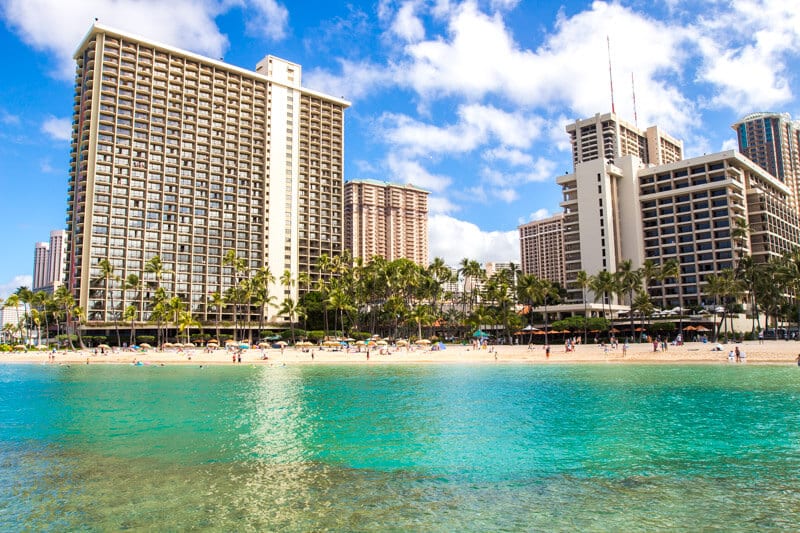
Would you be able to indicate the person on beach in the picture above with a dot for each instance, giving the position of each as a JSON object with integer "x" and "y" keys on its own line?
{"x": 547, "y": 352}
{"x": 737, "y": 354}
{"x": 798, "y": 359}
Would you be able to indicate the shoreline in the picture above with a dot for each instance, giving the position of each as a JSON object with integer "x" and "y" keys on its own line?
{"x": 772, "y": 352}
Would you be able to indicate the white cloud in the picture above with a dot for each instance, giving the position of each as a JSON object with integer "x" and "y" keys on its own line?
{"x": 453, "y": 240}
{"x": 21, "y": 280}
{"x": 729, "y": 144}
{"x": 753, "y": 37}
{"x": 59, "y": 129}
{"x": 412, "y": 173}
{"x": 508, "y": 155}
{"x": 539, "y": 214}
{"x": 57, "y": 27}
{"x": 406, "y": 24}
{"x": 477, "y": 125}
{"x": 9, "y": 119}
{"x": 270, "y": 20}
{"x": 357, "y": 79}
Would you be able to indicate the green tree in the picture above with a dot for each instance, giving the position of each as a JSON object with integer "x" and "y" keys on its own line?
{"x": 107, "y": 276}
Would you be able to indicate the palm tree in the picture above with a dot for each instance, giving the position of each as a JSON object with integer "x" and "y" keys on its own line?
{"x": 185, "y": 322}
{"x": 25, "y": 296}
{"x": 106, "y": 276}
{"x": 13, "y": 301}
{"x": 132, "y": 283}
{"x": 672, "y": 269}
{"x": 262, "y": 280}
{"x": 79, "y": 314}
{"x": 628, "y": 281}
{"x": 603, "y": 285}
{"x": 66, "y": 302}
{"x": 129, "y": 315}
{"x": 289, "y": 308}
{"x": 715, "y": 287}
{"x": 216, "y": 301}
{"x": 238, "y": 266}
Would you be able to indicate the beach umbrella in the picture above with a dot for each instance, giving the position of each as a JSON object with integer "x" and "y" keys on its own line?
{"x": 104, "y": 346}
{"x": 305, "y": 344}
{"x": 401, "y": 342}
{"x": 480, "y": 334}
{"x": 144, "y": 346}
{"x": 361, "y": 343}
{"x": 423, "y": 341}
{"x": 701, "y": 328}
{"x": 382, "y": 343}
{"x": 690, "y": 328}
{"x": 282, "y": 343}
{"x": 263, "y": 344}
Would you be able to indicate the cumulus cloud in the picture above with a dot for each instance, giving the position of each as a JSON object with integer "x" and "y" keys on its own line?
{"x": 752, "y": 36}
{"x": 59, "y": 129}
{"x": 8, "y": 118}
{"x": 478, "y": 124}
{"x": 57, "y": 27}
{"x": 453, "y": 240}
{"x": 406, "y": 24}
{"x": 270, "y": 19}
{"x": 21, "y": 280}
{"x": 539, "y": 214}
{"x": 413, "y": 173}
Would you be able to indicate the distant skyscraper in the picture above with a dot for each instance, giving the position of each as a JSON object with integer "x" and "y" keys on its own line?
{"x": 386, "y": 220}
{"x": 41, "y": 255}
{"x": 542, "y": 251}
{"x": 57, "y": 258}
{"x": 185, "y": 157}
{"x": 772, "y": 141}
{"x": 48, "y": 262}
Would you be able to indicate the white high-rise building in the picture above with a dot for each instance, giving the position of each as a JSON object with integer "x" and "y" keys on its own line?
{"x": 625, "y": 207}
{"x": 186, "y": 158}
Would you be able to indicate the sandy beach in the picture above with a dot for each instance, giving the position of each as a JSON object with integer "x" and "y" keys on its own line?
{"x": 768, "y": 352}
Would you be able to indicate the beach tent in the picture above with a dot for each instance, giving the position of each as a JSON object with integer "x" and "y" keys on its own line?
{"x": 442, "y": 346}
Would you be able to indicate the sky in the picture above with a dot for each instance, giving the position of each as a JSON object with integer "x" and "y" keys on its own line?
{"x": 466, "y": 99}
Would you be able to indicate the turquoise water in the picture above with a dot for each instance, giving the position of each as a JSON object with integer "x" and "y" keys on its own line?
{"x": 391, "y": 448}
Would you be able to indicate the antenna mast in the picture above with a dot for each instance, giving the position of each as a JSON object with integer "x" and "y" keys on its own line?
{"x": 635, "y": 116}
{"x": 610, "y": 76}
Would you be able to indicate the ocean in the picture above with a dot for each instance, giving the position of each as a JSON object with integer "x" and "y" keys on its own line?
{"x": 400, "y": 447}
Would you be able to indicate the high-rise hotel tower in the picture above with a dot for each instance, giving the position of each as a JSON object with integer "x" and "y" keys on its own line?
{"x": 386, "y": 220}
{"x": 184, "y": 157}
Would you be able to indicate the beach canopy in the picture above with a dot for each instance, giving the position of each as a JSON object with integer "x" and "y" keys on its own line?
{"x": 480, "y": 334}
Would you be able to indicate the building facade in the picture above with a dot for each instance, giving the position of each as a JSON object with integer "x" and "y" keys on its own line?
{"x": 49, "y": 262}
{"x": 772, "y": 141}
{"x": 186, "y": 158}
{"x": 541, "y": 244}
{"x": 386, "y": 220}
{"x": 41, "y": 255}
{"x": 672, "y": 209}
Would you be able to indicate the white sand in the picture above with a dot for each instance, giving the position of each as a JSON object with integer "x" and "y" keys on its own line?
{"x": 770, "y": 352}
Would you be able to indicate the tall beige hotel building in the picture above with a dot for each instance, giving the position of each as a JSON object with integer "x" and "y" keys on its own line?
{"x": 386, "y": 220}
{"x": 186, "y": 157}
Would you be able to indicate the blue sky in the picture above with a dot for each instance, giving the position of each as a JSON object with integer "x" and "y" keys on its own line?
{"x": 467, "y": 99}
